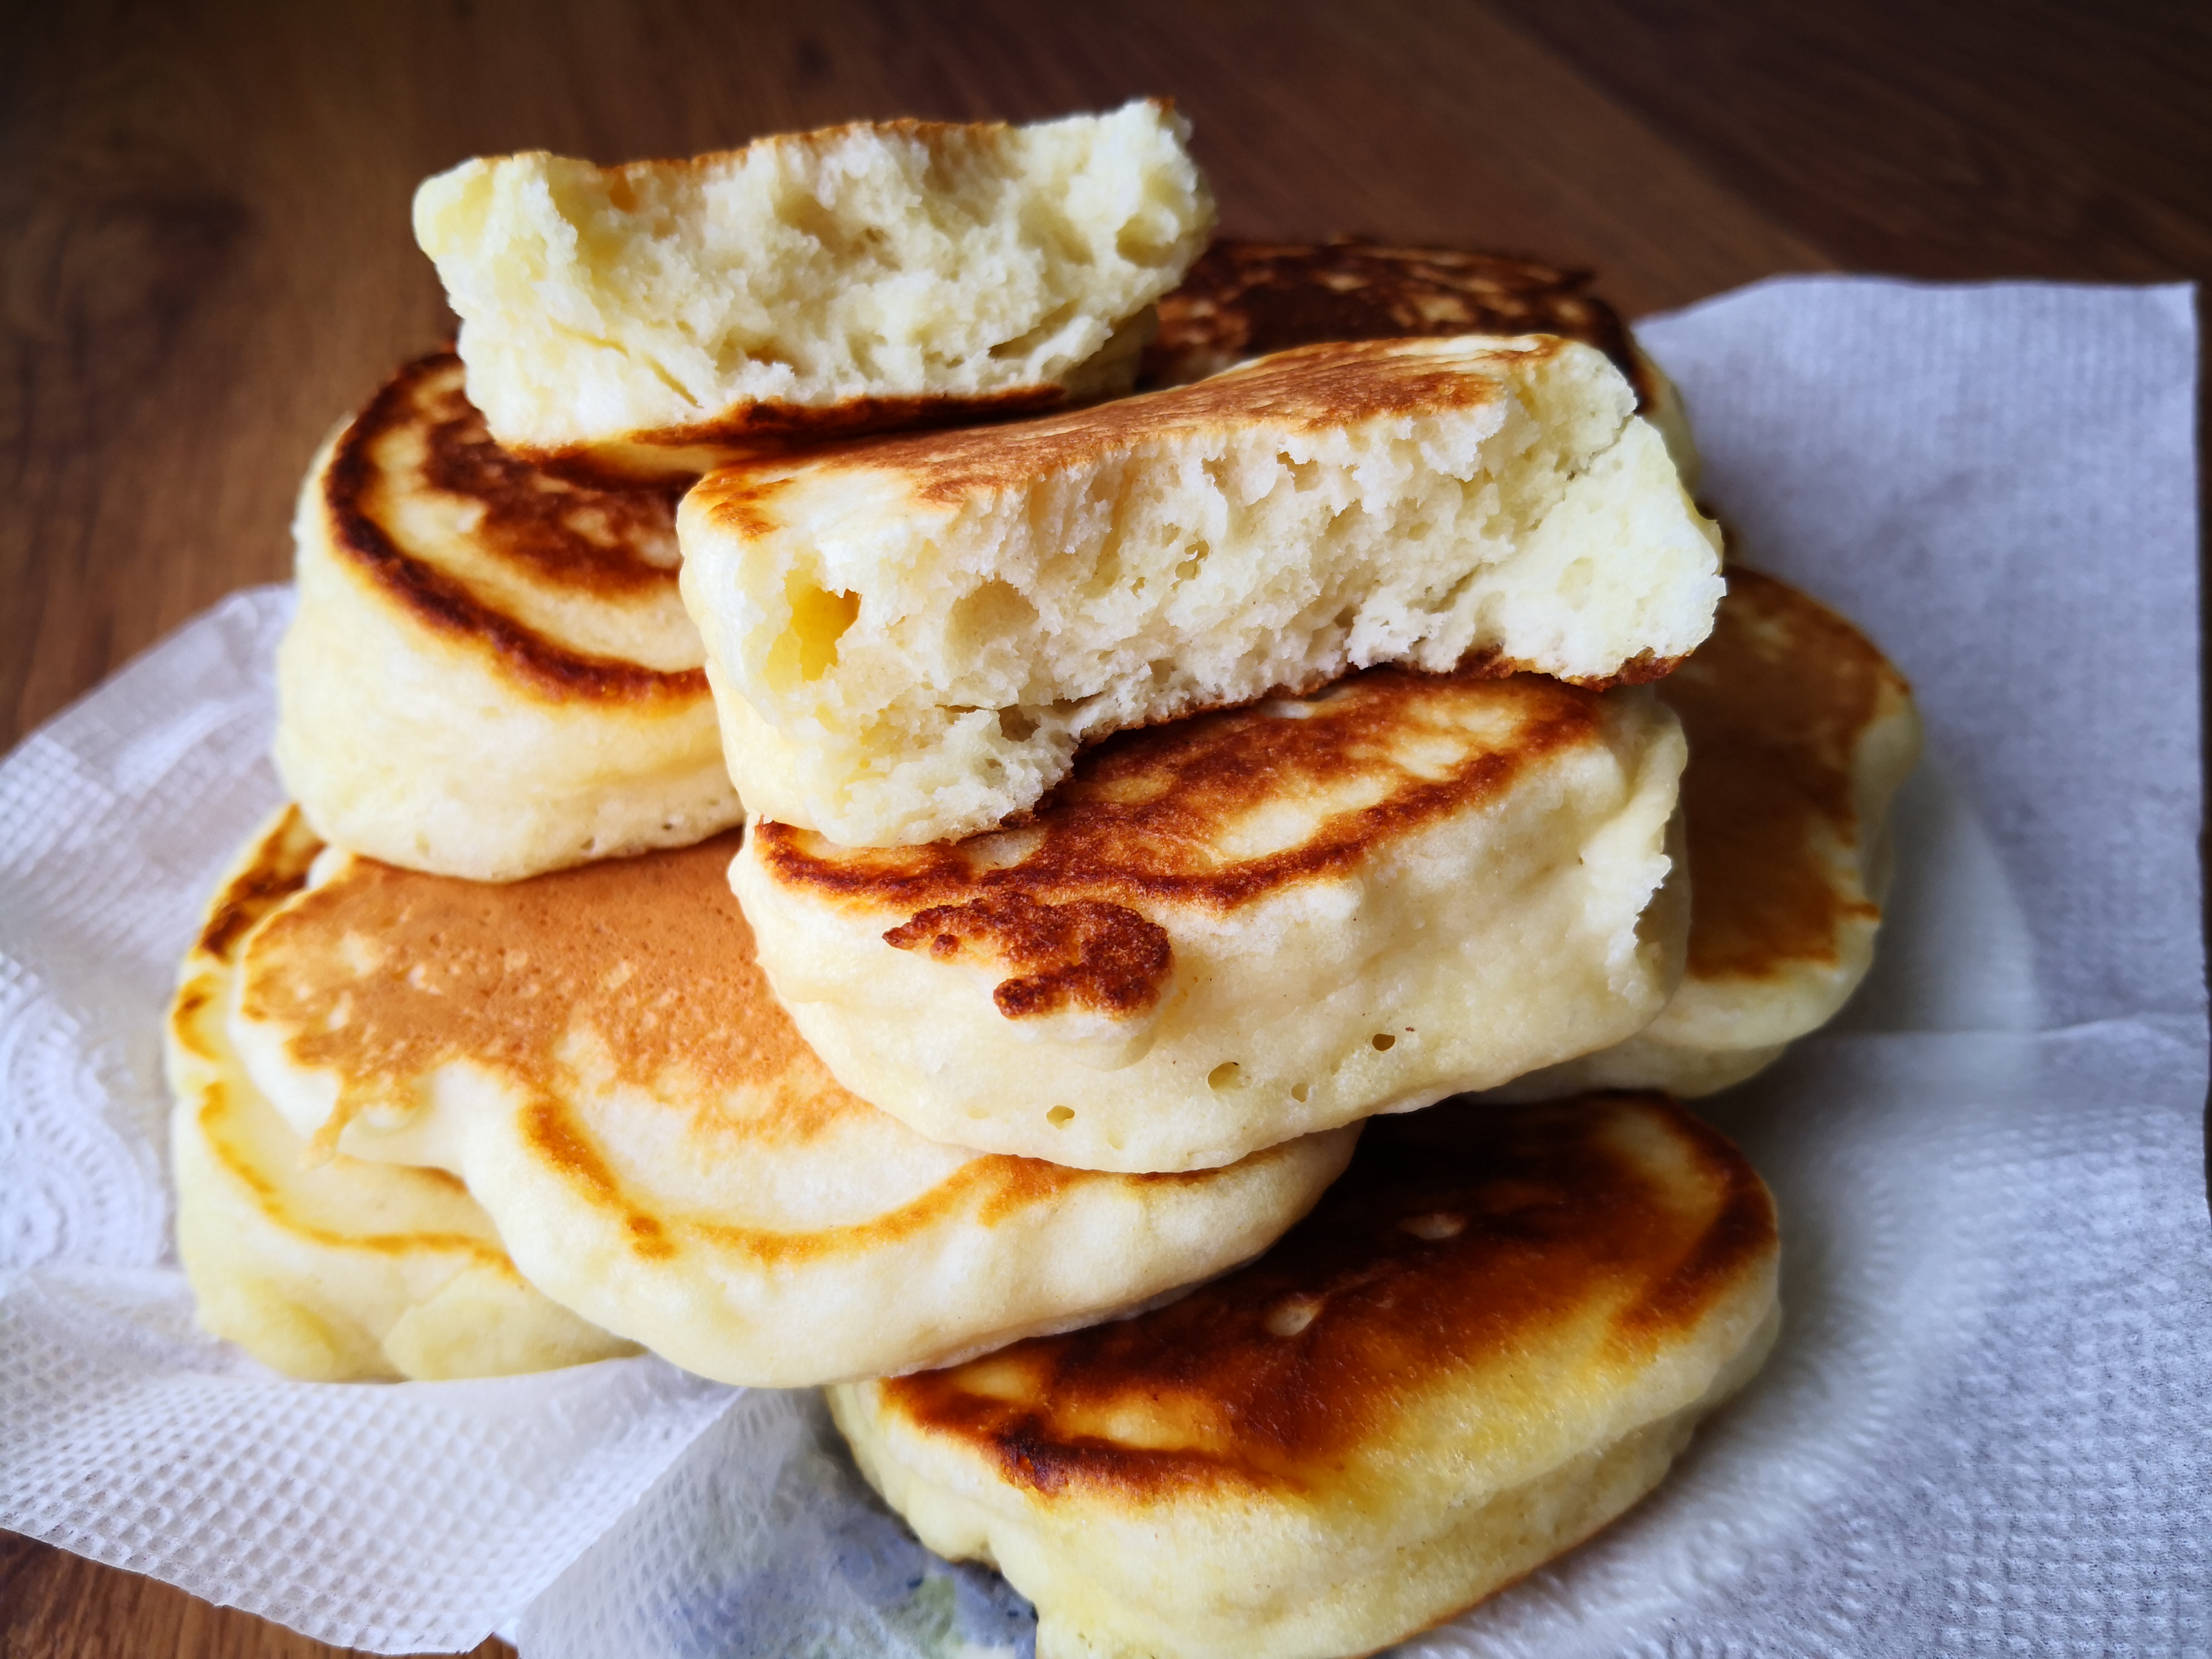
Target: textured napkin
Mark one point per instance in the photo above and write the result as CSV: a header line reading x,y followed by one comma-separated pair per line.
x,y
1983,1428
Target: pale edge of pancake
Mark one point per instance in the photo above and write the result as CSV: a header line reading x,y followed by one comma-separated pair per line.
x,y
1717,1032
425,748
347,1272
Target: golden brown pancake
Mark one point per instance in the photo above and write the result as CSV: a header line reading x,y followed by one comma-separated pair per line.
x,y
1801,732
1244,300
909,639
594,1053
1229,930
345,1271
491,671
1491,1337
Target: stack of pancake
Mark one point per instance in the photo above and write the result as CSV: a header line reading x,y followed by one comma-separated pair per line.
x,y
1143,791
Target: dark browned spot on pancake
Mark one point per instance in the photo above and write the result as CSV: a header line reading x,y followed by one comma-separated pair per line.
x,y
276,869
1315,387
1244,298
384,974
1626,1210
1145,816
584,539
1774,704
1089,953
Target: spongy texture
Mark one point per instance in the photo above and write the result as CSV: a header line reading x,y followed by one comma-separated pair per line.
x,y
867,275
489,673
909,640
341,1270
1484,1346
1250,925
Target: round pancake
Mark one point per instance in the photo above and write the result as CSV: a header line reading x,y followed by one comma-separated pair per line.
x,y
346,1272
595,1053
491,672
1242,299
1246,925
1800,733
1490,1338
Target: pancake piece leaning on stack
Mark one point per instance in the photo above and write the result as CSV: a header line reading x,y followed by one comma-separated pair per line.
x,y
1490,1338
656,318
340,1271
1241,926
491,672
595,1055
908,639
1800,733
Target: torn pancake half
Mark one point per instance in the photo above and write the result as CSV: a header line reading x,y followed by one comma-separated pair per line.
x,y
1800,733
1233,929
1492,1336
594,1053
490,671
909,639
346,1271
1243,298
653,318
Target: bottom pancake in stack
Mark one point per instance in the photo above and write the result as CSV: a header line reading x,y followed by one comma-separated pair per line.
x,y
1490,1338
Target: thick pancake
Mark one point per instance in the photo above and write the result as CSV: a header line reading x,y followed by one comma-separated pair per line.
x,y
1492,1337
1250,925
491,672
650,318
595,1053
1801,732
1244,300
347,1272
908,640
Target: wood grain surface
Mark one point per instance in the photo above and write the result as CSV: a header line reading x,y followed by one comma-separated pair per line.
x,y
205,259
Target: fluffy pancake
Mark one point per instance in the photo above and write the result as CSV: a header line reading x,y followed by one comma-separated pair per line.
x,y
491,672
908,639
1250,925
652,317
347,1272
1490,1338
1243,300
1801,732
595,1053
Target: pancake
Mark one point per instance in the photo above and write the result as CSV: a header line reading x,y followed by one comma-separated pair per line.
x,y
1250,925
491,672
1490,1338
652,318
1800,733
1244,300
348,1272
908,639
594,1053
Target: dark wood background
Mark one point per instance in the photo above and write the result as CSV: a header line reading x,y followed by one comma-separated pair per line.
x,y
205,260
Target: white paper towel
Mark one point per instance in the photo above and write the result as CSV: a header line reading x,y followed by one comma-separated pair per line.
x,y
1982,1429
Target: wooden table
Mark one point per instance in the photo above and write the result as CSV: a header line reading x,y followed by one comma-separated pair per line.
x,y
204,230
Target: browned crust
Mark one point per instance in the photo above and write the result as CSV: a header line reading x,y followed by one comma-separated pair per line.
x,y
758,431
275,869
1315,387
1087,953
1245,299
350,483
1775,704
1460,1239
1135,821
